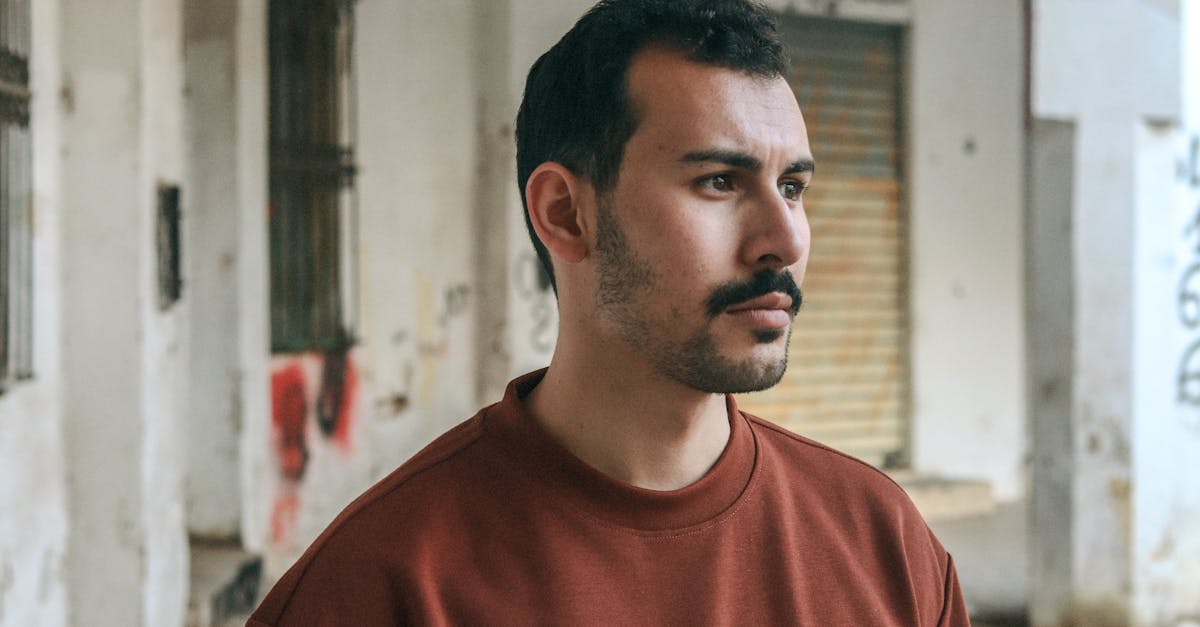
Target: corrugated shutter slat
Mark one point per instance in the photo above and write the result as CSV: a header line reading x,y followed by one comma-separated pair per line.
x,y
847,378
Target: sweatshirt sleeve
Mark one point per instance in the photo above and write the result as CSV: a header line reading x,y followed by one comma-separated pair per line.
x,y
342,585
954,607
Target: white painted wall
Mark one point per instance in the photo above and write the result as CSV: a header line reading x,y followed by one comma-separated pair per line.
x,y
122,356
212,411
1122,264
164,363
966,241
416,150
252,261
1166,431
33,514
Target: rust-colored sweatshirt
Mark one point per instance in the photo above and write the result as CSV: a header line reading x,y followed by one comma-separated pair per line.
x,y
494,523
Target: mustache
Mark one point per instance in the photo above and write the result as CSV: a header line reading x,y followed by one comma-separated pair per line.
x,y
762,283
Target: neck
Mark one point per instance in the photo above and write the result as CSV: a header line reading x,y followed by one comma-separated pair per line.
x,y
628,421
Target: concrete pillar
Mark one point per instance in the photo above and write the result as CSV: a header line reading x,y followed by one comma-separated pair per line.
x,y
213,408
1089,195
1166,383
227,265
33,500
495,189
122,347
964,179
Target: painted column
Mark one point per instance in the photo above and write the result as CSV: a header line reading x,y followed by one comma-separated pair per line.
x,y
1166,382
1088,422
122,345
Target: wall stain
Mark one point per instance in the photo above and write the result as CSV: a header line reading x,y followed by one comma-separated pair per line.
x,y
1166,547
6,583
319,387
1095,613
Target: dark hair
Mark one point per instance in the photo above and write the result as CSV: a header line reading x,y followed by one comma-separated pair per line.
x,y
576,109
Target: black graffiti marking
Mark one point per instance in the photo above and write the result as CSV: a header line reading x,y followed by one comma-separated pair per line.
x,y
526,276
1189,297
333,390
541,338
1188,381
532,283
456,299
1193,162
1193,228
1188,306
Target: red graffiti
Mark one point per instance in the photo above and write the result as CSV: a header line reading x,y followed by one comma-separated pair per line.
x,y
289,407
333,409
283,516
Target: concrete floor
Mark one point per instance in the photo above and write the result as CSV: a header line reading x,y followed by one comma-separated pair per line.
x,y
990,552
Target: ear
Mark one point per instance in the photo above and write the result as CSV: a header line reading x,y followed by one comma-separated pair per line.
x,y
555,199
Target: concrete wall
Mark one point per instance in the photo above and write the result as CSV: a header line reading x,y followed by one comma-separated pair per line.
x,y
1102,541
966,242
122,355
226,496
213,411
1165,388
412,374
33,513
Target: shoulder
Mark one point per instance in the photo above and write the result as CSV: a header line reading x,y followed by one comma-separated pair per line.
x,y
857,511
351,564
799,454
833,482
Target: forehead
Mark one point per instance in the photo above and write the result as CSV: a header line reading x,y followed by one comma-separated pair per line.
x,y
682,105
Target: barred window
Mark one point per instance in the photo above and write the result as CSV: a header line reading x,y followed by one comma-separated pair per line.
x,y
16,272
311,170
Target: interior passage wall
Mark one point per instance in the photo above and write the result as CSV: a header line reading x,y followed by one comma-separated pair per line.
x,y
966,241
412,373
33,513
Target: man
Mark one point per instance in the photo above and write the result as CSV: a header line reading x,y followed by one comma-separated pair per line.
x,y
662,160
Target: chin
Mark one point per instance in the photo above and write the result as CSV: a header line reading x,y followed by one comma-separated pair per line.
x,y
725,376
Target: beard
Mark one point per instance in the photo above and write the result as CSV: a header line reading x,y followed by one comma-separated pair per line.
x,y
625,284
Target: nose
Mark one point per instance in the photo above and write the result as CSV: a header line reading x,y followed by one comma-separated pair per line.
x,y
777,232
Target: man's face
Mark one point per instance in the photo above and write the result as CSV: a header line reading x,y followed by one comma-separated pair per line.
x,y
703,241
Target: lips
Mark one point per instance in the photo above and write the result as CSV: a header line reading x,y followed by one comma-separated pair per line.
x,y
774,300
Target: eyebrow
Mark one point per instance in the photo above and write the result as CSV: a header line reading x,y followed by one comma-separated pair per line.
x,y
741,160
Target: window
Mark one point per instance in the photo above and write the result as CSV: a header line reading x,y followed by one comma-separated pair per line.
x,y
16,272
311,171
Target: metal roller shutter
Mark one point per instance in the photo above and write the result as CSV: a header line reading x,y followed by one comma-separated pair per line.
x,y
848,374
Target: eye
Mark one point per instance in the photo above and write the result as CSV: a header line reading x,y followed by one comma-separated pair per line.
x,y
791,190
718,183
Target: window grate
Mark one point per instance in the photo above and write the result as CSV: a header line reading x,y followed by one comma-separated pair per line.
x,y
16,220
311,169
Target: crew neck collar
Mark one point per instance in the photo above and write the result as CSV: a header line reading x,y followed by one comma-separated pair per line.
x,y
611,500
